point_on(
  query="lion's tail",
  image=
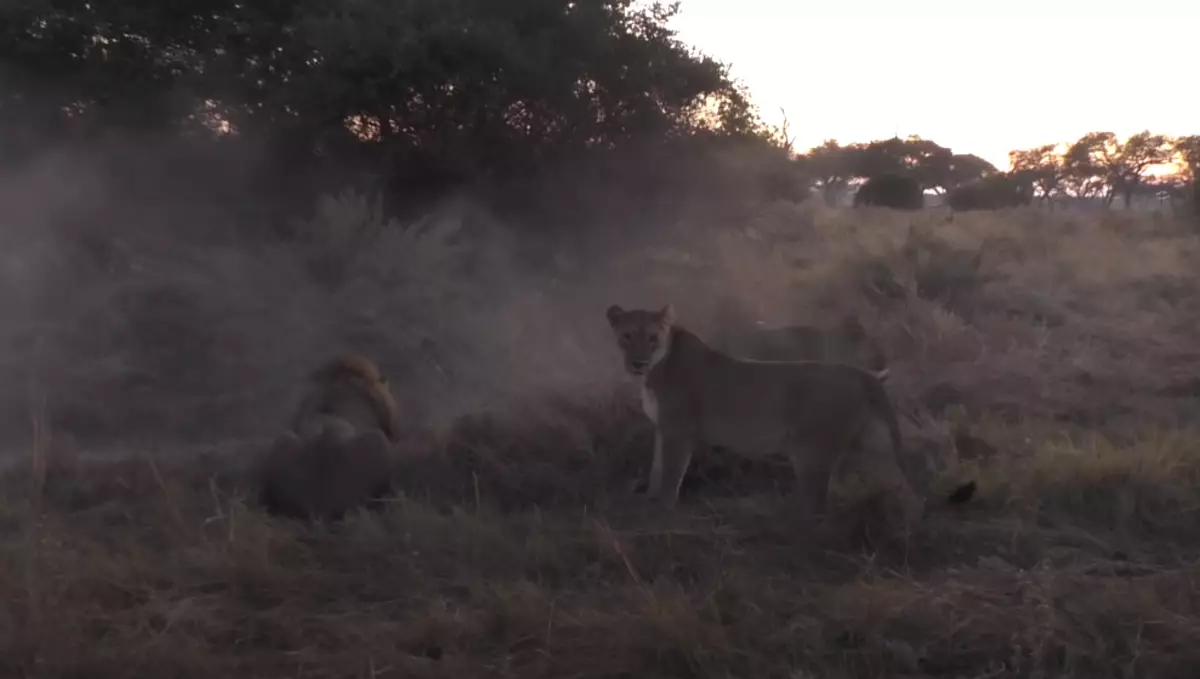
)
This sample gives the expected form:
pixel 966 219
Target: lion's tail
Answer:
pixel 882 406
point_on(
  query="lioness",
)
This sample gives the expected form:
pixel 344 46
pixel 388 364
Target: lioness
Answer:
pixel 350 388
pixel 814 412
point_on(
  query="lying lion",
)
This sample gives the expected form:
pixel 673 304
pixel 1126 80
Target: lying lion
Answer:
pixel 349 388
pixel 339 454
pixel 816 413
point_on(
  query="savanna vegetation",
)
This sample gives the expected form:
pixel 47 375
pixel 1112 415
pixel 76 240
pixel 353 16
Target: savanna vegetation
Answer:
pixel 203 200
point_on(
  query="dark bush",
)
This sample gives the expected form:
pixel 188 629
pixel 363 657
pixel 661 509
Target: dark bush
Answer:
pixel 991 193
pixel 891 190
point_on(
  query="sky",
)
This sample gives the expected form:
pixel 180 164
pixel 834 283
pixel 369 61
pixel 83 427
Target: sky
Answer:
pixel 1001 76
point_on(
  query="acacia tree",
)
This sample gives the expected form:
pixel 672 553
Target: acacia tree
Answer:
pixel 1188 151
pixel 1100 162
pixel 1043 166
pixel 832 167
pixel 926 161
pixel 964 169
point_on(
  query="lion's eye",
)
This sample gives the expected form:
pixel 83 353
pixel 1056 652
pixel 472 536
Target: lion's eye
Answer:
pixel 627 337
pixel 653 340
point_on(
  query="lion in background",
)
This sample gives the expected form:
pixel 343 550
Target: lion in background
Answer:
pixel 846 342
pixel 340 452
pixel 737 333
pixel 816 413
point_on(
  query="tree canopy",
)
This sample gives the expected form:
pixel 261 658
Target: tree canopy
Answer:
pixel 468 86
pixel 1098 166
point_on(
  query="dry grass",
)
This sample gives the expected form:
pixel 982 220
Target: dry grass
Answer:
pixel 1059 370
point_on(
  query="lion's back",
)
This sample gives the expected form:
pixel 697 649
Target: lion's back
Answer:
pixel 765 398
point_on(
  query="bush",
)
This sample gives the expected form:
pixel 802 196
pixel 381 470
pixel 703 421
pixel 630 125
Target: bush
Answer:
pixel 991 193
pixel 891 190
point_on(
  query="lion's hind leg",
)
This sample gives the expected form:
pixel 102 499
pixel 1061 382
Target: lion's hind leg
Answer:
pixel 813 464
pixel 875 456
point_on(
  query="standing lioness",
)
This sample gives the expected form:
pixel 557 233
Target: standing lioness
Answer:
pixel 813 412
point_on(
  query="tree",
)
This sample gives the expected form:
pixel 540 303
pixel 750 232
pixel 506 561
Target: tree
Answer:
pixel 1138 154
pixel 897 191
pixel 964 169
pixel 1100 162
pixel 400 86
pixel 1043 166
pixel 1188 152
pixel 923 160
pixel 832 167
pixel 1084 174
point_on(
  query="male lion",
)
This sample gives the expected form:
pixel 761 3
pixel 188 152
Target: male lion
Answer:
pixel 339 453
pixel 350 388
pixel 814 412
pixel 324 475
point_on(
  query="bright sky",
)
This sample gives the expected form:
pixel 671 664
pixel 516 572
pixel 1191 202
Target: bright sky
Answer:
pixel 1011 74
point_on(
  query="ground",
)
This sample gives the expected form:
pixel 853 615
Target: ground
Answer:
pixel 1058 370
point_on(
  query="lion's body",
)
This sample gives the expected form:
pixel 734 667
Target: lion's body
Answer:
pixel 327 474
pixel 348 388
pixel 815 413
pixel 339 453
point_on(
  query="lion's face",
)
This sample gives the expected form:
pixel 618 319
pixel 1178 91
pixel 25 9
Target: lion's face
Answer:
pixel 642 335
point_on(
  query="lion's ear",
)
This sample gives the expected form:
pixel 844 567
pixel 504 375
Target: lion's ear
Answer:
pixel 667 315
pixel 614 314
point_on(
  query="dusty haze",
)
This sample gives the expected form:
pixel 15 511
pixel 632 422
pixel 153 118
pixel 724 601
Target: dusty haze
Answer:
pixel 142 304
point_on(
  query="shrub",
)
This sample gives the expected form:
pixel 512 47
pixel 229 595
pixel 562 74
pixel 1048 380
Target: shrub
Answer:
pixel 891 190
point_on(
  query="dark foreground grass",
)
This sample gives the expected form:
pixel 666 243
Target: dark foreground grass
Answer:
pixel 514 552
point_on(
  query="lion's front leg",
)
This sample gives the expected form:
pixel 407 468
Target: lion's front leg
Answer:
pixel 673 454
pixel 654 481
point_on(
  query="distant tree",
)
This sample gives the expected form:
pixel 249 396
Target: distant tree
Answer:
pixel 994 192
pixel 1175 188
pixel 935 167
pixel 1043 166
pixel 1138 154
pixel 832 166
pixel 1188 152
pixel 923 160
pixel 891 190
pixel 965 169
pixel 1100 163
pixel 1084 176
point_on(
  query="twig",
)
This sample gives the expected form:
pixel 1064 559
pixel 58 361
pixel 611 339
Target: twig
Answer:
pixel 620 551
pixel 166 493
